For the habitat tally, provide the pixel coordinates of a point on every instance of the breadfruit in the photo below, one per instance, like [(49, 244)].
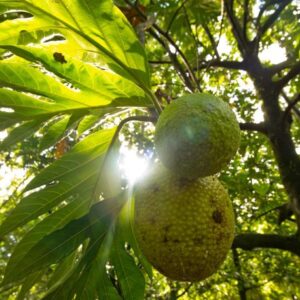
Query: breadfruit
[(184, 227), (197, 135)]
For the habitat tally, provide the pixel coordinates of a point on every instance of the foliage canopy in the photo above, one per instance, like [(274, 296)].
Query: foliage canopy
[(75, 73)]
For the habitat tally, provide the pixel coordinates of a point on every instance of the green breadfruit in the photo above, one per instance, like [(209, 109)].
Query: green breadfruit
[(184, 227), (197, 135)]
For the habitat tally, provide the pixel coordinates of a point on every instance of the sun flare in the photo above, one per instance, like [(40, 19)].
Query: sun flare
[(132, 165)]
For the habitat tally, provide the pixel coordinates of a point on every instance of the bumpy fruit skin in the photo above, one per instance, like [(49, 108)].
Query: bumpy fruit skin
[(197, 135), (184, 227)]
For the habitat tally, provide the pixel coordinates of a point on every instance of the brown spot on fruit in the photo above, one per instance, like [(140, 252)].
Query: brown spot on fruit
[(197, 240), (154, 188), (217, 216)]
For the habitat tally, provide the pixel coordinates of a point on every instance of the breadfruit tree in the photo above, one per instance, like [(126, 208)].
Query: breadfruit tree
[(81, 80)]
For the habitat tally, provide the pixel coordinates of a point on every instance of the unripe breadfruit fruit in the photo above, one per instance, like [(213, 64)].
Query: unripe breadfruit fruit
[(184, 227), (197, 135)]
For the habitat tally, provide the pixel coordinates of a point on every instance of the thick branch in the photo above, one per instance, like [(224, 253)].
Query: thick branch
[(235, 65), (281, 66), (249, 241), (295, 70), (260, 127)]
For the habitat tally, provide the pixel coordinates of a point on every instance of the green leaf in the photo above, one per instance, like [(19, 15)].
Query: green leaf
[(28, 283), (99, 24), (83, 279), (97, 87), (129, 276), (95, 270), (59, 244), (20, 133), (127, 233), (54, 132), (62, 270), (27, 107), (78, 170), (92, 119), (106, 290), (56, 220)]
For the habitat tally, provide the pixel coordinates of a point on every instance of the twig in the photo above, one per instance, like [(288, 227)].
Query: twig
[(270, 21), (174, 16), (185, 290), (171, 42), (212, 40), (159, 62), (174, 60)]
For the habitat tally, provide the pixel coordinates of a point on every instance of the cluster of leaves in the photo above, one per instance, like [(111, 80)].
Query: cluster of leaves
[(66, 66)]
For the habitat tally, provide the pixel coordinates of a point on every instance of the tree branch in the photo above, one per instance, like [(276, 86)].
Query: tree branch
[(263, 9), (295, 70), (260, 127), (270, 21), (290, 107), (212, 40), (173, 57), (288, 101), (236, 27), (245, 18), (171, 42), (174, 16), (281, 66), (159, 62), (235, 65), (249, 241)]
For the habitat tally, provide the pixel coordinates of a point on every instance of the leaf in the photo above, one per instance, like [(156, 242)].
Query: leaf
[(28, 283), (56, 220), (92, 119), (28, 107), (20, 133), (62, 270), (105, 289), (95, 270), (96, 86), (100, 24), (54, 132), (59, 244), (82, 280), (129, 276), (126, 231), (110, 181), (77, 170)]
